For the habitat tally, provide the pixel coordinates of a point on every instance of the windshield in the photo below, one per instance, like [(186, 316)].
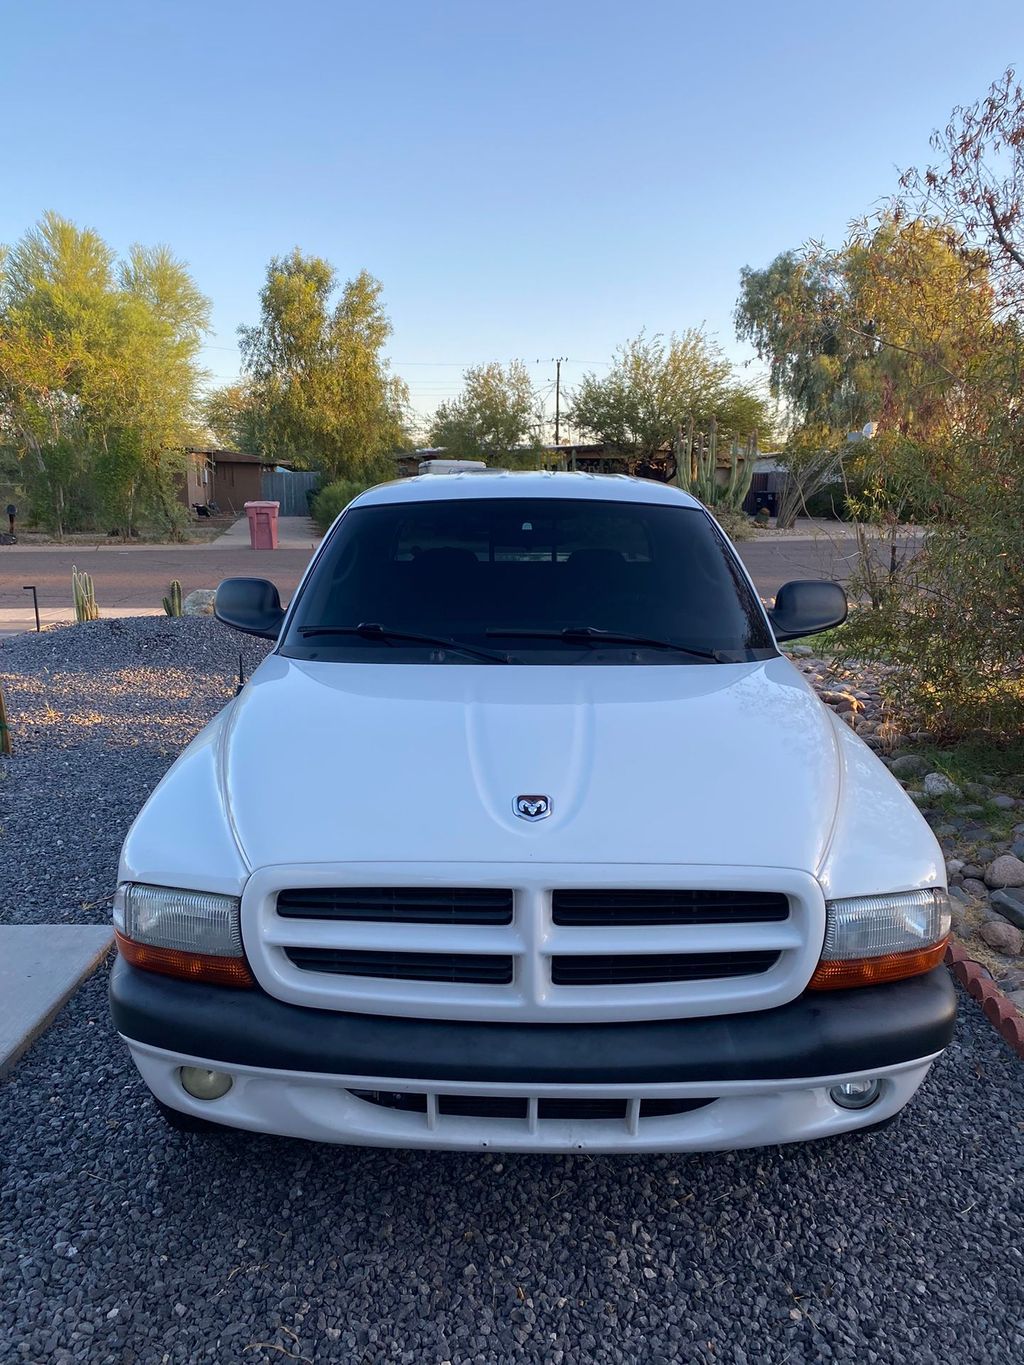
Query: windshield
[(527, 580)]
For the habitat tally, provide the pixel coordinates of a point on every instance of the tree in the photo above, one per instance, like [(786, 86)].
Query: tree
[(977, 188), (872, 330), (99, 374), (494, 416), (917, 323), (654, 387), (233, 418), (323, 393), (881, 330)]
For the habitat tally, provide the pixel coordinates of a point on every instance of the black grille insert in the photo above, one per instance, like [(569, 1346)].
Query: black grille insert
[(517, 1107), (648, 968), (484, 969), (398, 904), (607, 907)]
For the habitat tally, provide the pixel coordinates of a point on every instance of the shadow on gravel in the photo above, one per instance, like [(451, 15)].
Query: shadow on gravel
[(122, 1241)]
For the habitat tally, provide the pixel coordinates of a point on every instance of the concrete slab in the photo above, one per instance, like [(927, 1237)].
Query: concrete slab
[(40, 966)]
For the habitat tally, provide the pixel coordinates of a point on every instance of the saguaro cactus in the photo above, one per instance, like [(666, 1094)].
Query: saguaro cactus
[(172, 602), (85, 596)]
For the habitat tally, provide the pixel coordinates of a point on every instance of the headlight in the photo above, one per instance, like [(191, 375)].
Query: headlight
[(871, 939), (190, 934)]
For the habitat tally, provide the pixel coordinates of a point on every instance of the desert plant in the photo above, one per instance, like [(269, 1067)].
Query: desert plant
[(84, 595), (696, 457), (332, 499), (172, 602)]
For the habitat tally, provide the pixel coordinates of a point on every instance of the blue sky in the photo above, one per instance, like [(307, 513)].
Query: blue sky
[(527, 179)]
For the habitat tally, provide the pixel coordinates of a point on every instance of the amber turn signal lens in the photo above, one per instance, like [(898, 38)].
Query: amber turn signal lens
[(215, 971), (873, 971)]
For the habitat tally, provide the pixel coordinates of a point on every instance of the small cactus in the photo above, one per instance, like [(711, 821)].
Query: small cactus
[(172, 602), (84, 595)]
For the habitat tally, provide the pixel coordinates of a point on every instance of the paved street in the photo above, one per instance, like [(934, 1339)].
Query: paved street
[(134, 578)]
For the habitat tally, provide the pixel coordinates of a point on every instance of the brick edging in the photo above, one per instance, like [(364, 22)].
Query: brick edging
[(998, 1010)]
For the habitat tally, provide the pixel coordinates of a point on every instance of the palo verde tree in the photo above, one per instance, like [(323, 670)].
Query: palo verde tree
[(655, 386), (495, 416), (233, 418), (321, 388), (99, 375)]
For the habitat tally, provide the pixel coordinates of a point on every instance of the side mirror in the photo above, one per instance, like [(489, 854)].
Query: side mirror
[(806, 607), (250, 604)]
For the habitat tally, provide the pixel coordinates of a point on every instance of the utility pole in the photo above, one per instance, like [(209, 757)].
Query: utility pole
[(558, 393)]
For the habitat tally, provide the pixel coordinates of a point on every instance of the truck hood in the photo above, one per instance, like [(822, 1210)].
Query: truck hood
[(715, 764)]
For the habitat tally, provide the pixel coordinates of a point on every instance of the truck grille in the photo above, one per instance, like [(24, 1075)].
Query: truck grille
[(642, 968), (596, 905), (398, 904), (535, 942), (474, 968)]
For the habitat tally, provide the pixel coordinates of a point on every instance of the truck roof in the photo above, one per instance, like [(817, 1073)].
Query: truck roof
[(515, 483)]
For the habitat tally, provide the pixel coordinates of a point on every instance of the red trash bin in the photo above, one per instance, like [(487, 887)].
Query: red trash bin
[(262, 524)]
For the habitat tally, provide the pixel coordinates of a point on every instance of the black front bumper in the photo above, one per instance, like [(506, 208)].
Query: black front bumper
[(825, 1033)]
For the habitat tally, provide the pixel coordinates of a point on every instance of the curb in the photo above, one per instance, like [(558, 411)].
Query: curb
[(1004, 1017)]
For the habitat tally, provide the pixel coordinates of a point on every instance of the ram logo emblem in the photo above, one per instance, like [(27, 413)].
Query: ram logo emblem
[(532, 807)]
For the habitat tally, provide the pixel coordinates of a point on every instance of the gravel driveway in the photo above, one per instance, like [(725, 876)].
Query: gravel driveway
[(98, 713), (122, 1242)]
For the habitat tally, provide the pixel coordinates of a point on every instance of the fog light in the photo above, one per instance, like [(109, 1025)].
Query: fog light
[(203, 1084), (849, 1095)]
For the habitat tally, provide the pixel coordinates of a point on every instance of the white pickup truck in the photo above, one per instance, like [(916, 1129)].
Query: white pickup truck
[(525, 836)]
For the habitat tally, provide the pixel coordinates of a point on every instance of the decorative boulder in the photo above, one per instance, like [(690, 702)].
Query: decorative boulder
[(938, 784), (199, 603), (1006, 870), (909, 765), (1009, 904), (1003, 937)]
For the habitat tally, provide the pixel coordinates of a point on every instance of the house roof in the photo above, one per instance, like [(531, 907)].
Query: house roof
[(235, 457)]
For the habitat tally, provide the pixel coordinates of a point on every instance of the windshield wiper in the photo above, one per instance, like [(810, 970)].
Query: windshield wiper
[(592, 635), (372, 630)]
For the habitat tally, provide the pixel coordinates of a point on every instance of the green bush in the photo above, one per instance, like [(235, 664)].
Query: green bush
[(328, 501)]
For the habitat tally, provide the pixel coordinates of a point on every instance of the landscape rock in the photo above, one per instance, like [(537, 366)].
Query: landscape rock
[(1009, 904), (1005, 870), (938, 784), (909, 765), (1005, 938), (1003, 802), (974, 887), (1017, 998), (199, 602)]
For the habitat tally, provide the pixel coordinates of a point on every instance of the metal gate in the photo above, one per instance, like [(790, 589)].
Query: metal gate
[(290, 488)]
